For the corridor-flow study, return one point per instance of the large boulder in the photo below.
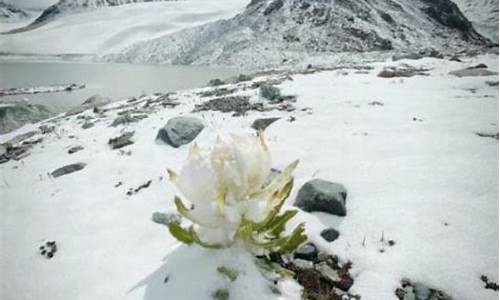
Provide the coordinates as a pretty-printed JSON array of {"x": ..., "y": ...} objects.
[
  {"x": 180, "y": 131},
  {"x": 323, "y": 196},
  {"x": 68, "y": 169},
  {"x": 473, "y": 71}
]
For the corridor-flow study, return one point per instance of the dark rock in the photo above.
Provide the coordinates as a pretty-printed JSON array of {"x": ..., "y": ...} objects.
[
  {"x": 467, "y": 72},
  {"x": 216, "y": 82},
  {"x": 273, "y": 6},
  {"x": 376, "y": 103},
  {"x": 180, "y": 131},
  {"x": 68, "y": 169},
  {"x": 75, "y": 149},
  {"x": 262, "y": 124},
  {"x": 479, "y": 66},
  {"x": 492, "y": 83},
  {"x": 403, "y": 70},
  {"x": 330, "y": 234},
  {"x": 455, "y": 58},
  {"x": 237, "y": 104},
  {"x": 307, "y": 252},
  {"x": 121, "y": 141},
  {"x": 87, "y": 125},
  {"x": 488, "y": 135},
  {"x": 320, "y": 195}
]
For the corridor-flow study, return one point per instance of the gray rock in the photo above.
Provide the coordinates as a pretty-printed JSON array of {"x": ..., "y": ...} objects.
[
  {"x": 307, "y": 252},
  {"x": 403, "y": 70},
  {"x": 180, "y": 131},
  {"x": 262, "y": 124},
  {"x": 68, "y": 169},
  {"x": 330, "y": 234},
  {"x": 127, "y": 119},
  {"x": 321, "y": 195},
  {"x": 270, "y": 92},
  {"x": 327, "y": 271},
  {"x": 165, "y": 218},
  {"x": 121, "y": 141},
  {"x": 87, "y": 125},
  {"x": 468, "y": 72},
  {"x": 303, "y": 264},
  {"x": 75, "y": 149},
  {"x": 421, "y": 292}
]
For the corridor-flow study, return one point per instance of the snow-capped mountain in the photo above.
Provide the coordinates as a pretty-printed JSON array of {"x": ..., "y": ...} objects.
[
  {"x": 483, "y": 14},
  {"x": 9, "y": 13},
  {"x": 270, "y": 31},
  {"x": 74, "y": 6}
]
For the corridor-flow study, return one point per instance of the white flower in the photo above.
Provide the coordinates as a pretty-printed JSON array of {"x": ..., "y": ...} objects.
[{"x": 225, "y": 186}]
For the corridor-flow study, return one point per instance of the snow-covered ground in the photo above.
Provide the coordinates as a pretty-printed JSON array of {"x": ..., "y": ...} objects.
[
  {"x": 415, "y": 171},
  {"x": 109, "y": 29}
]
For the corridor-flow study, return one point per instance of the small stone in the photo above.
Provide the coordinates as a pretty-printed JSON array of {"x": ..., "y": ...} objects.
[
  {"x": 329, "y": 234},
  {"x": 121, "y": 141},
  {"x": 75, "y": 149},
  {"x": 307, "y": 252},
  {"x": 391, "y": 243},
  {"x": 87, "y": 125},
  {"x": 319, "y": 195},
  {"x": 180, "y": 131},
  {"x": 303, "y": 264},
  {"x": 327, "y": 271},
  {"x": 50, "y": 255},
  {"x": 68, "y": 169}
]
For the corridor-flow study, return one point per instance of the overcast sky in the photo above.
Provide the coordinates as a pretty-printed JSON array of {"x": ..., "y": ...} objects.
[{"x": 37, "y": 4}]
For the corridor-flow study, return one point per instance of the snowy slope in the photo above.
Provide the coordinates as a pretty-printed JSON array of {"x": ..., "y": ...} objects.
[
  {"x": 112, "y": 28},
  {"x": 13, "y": 17},
  {"x": 279, "y": 30},
  {"x": 483, "y": 14},
  {"x": 414, "y": 169}
]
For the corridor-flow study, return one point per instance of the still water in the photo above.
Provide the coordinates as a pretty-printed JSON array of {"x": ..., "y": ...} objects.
[{"x": 115, "y": 81}]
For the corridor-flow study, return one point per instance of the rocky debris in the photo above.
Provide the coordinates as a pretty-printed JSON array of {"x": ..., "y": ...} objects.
[
  {"x": 376, "y": 103},
  {"x": 127, "y": 118},
  {"x": 415, "y": 119},
  {"x": 262, "y": 124},
  {"x": 428, "y": 52},
  {"x": 165, "y": 218},
  {"x": 492, "y": 83},
  {"x": 324, "y": 279},
  {"x": 48, "y": 249},
  {"x": 122, "y": 140},
  {"x": 239, "y": 105},
  {"x": 488, "y": 135},
  {"x": 416, "y": 291},
  {"x": 45, "y": 129},
  {"x": 217, "y": 92},
  {"x": 403, "y": 70},
  {"x": 306, "y": 252},
  {"x": 145, "y": 185},
  {"x": 41, "y": 89},
  {"x": 216, "y": 82},
  {"x": 15, "y": 114},
  {"x": 271, "y": 81},
  {"x": 329, "y": 234},
  {"x": 21, "y": 137},
  {"x": 8, "y": 151},
  {"x": 75, "y": 149},
  {"x": 93, "y": 103},
  {"x": 270, "y": 92},
  {"x": 87, "y": 125},
  {"x": 478, "y": 70},
  {"x": 489, "y": 285},
  {"x": 68, "y": 169},
  {"x": 455, "y": 58},
  {"x": 180, "y": 131},
  {"x": 319, "y": 195},
  {"x": 165, "y": 100}
]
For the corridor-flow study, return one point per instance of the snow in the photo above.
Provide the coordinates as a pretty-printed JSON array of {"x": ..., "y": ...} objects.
[
  {"x": 405, "y": 180},
  {"x": 113, "y": 28}
]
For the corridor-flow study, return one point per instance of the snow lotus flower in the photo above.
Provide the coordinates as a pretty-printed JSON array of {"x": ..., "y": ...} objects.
[{"x": 225, "y": 195}]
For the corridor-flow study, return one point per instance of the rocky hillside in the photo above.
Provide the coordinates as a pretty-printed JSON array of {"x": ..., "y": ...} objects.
[
  {"x": 272, "y": 31},
  {"x": 483, "y": 14},
  {"x": 73, "y": 6},
  {"x": 10, "y": 13}
]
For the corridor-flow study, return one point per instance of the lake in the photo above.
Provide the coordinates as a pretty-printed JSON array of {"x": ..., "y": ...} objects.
[{"x": 115, "y": 81}]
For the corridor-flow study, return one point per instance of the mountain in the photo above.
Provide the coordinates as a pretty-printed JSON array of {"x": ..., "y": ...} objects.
[
  {"x": 10, "y": 13},
  {"x": 483, "y": 14},
  {"x": 270, "y": 31},
  {"x": 74, "y": 6}
]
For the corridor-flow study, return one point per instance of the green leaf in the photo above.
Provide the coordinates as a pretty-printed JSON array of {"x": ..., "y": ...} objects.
[
  {"x": 295, "y": 239},
  {"x": 221, "y": 294},
  {"x": 277, "y": 226},
  {"x": 198, "y": 241},
  {"x": 180, "y": 233},
  {"x": 231, "y": 274}
]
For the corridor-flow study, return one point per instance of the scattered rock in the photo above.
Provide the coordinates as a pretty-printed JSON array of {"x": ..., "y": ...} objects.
[
  {"x": 416, "y": 291},
  {"x": 402, "y": 70},
  {"x": 122, "y": 140},
  {"x": 488, "y": 135},
  {"x": 489, "y": 284},
  {"x": 87, "y": 125},
  {"x": 216, "y": 82},
  {"x": 237, "y": 104},
  {"x": 270, "y": 93},
  {"x": 307, "y": 252},
  {"x": 139, "y": 188},
  {"x": 127, "y": 119},
  {"x": 492, "y": 83},
  {"x": 165, "y": 218},
  {"x": 217, "y": 92},
  {"x": 330, "y": 234},
  {"x": 262, "y": 124},
  {"x": 45, "y": 129},
  {"x": 48, "y": 249},
  {"x": 455, "y": 58},
  {"x": 93, "y": 102},
  {"x": 180, "y": 131},
  {"x": 68, "y": 169},
  {"x": 75, "y": 149},
  {"x": 323, "y": 196}
]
